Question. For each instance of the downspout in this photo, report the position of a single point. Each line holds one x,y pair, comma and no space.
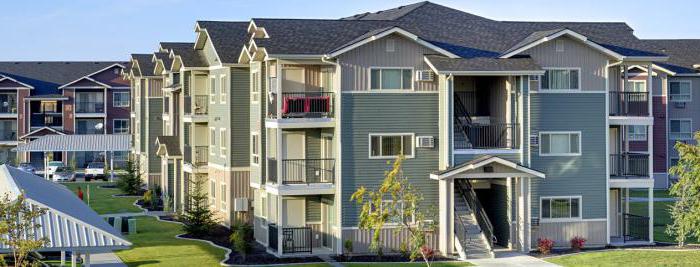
338,165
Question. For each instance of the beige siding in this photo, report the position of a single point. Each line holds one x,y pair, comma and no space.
154,88
356,63
562,232
391,239
575,55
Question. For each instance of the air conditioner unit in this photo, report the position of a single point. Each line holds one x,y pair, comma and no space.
240,204
425,141
424,75
679,104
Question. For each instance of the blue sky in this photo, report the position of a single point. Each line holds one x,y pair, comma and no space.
111,30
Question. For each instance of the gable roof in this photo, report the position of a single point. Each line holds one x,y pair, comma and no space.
684,54
227,37
483,65
47,76
145,64
474,164
79,220
170,146
41,132
189,56
379,33
9,82
539,37
164,58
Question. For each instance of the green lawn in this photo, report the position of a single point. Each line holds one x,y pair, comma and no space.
658,193
384,264
101,199
662,216
155,244
637,258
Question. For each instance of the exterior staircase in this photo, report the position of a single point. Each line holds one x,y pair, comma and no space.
473,230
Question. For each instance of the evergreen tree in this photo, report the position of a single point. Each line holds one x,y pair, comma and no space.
130,182
198,219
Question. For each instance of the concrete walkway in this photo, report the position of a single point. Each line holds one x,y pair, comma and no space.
134,214
511,259
107,259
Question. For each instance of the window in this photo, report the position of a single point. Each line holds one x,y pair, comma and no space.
390,145
224,143
212,192
212,140
560,207
390,45
680,129
391,79
636,86
120,99
223,197
120,126
559,44
396,215
212,90
255,87
255,142
89,102
560,143
263,206
224,89
560,79
637,132
679,91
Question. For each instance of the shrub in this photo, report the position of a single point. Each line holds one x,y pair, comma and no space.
147,198
241,238
577,243
544,245
348,246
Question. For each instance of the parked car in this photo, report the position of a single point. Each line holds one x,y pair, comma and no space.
95,170
27,167
53,165
63,174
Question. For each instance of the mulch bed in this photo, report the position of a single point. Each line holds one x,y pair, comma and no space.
158,207
220,235
385,258
111,186
658,246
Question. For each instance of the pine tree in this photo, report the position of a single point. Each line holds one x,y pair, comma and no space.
130,182
198,219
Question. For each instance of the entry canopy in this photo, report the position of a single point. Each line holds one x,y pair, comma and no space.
69,224
78,142
487,167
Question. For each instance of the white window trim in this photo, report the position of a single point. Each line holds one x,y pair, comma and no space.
369,143
255,86
222,93
212,91
212,145
253,155
690,93
644,82
369,79
559,45
114,104
541,90
580,148
222,145
223,204
265,208
630,136
580,209
680,139
114,124
212,193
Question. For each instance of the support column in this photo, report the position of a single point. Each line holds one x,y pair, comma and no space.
63,258
651,214
446,209
73,259
524,214
86,263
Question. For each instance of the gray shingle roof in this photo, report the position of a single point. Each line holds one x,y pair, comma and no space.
165,57
683,54
79,142
482,64
171,143
228,37
190,57
47,76
146,66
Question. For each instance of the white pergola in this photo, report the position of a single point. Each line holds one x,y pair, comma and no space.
68,224
78,143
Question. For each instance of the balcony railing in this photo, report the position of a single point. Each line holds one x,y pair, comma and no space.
197,155
628,165
296,240
166,104
302,105
46,120
629,103
89,107
200,107
491,136
8,134
302,171
272,237
635,227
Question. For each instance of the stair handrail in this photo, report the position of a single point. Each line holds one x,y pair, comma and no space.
461,111
479,212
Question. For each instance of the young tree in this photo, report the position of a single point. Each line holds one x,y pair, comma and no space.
685,212
130,182
18,228
198,219
395,201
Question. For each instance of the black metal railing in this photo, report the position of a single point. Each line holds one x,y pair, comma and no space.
201,104
467,192
635,227
187,100
46,120
8,134
296,240
303,171
271,170
629,103
196,155
89,107
302,105
629,165
272,236
494,135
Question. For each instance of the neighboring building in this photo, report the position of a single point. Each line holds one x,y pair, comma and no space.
42,98
513,131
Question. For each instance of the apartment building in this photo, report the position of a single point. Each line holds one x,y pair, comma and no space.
61,97
512,130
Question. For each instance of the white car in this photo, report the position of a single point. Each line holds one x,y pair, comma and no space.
62,174
95,170
53,165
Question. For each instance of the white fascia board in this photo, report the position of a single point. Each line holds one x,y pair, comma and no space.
11,79
501,161
482,73
570,33
88,76
645,58
244,56
393,30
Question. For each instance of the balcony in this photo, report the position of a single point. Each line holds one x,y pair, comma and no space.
294,239
302,171
53,120
8,105
302,107
486,136
89,107
198,156
197,111
8,131
627,165
631,104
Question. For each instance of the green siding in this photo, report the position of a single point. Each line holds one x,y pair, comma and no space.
171,179
240,114
582,175
155,129
386,113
